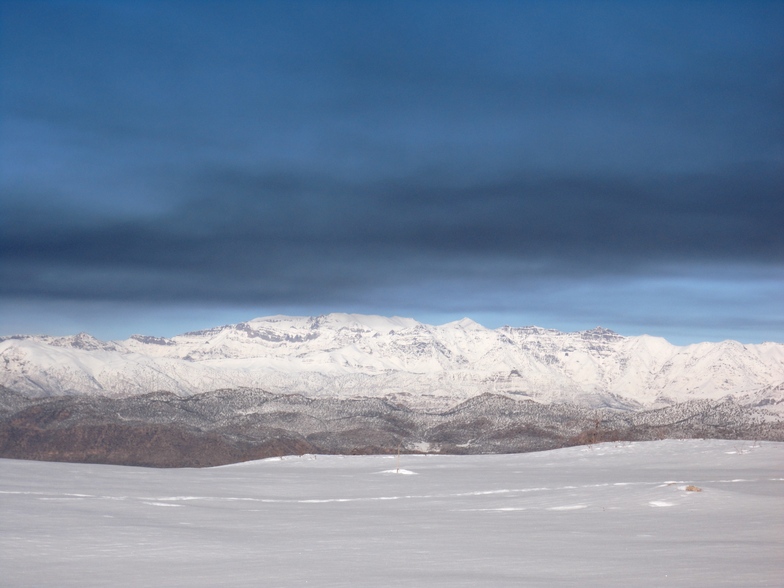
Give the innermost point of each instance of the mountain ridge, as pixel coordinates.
(348, 355)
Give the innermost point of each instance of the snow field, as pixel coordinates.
(607, 515)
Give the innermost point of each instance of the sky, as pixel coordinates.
(170, 166)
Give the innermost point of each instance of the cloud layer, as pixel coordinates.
(455, 157)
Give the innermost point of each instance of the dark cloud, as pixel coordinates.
(459, 154)
(247, 237)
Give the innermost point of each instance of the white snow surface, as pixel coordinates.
(345, 355)
(606, 515)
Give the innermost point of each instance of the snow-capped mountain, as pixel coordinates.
(344, 356)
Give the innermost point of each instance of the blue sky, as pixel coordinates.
(168, 166)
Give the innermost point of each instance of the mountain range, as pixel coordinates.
(424, 366)
(340, 384)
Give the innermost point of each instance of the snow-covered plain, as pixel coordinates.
(615, 514)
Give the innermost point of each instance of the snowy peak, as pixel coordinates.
(465, 323)
(334, 321)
